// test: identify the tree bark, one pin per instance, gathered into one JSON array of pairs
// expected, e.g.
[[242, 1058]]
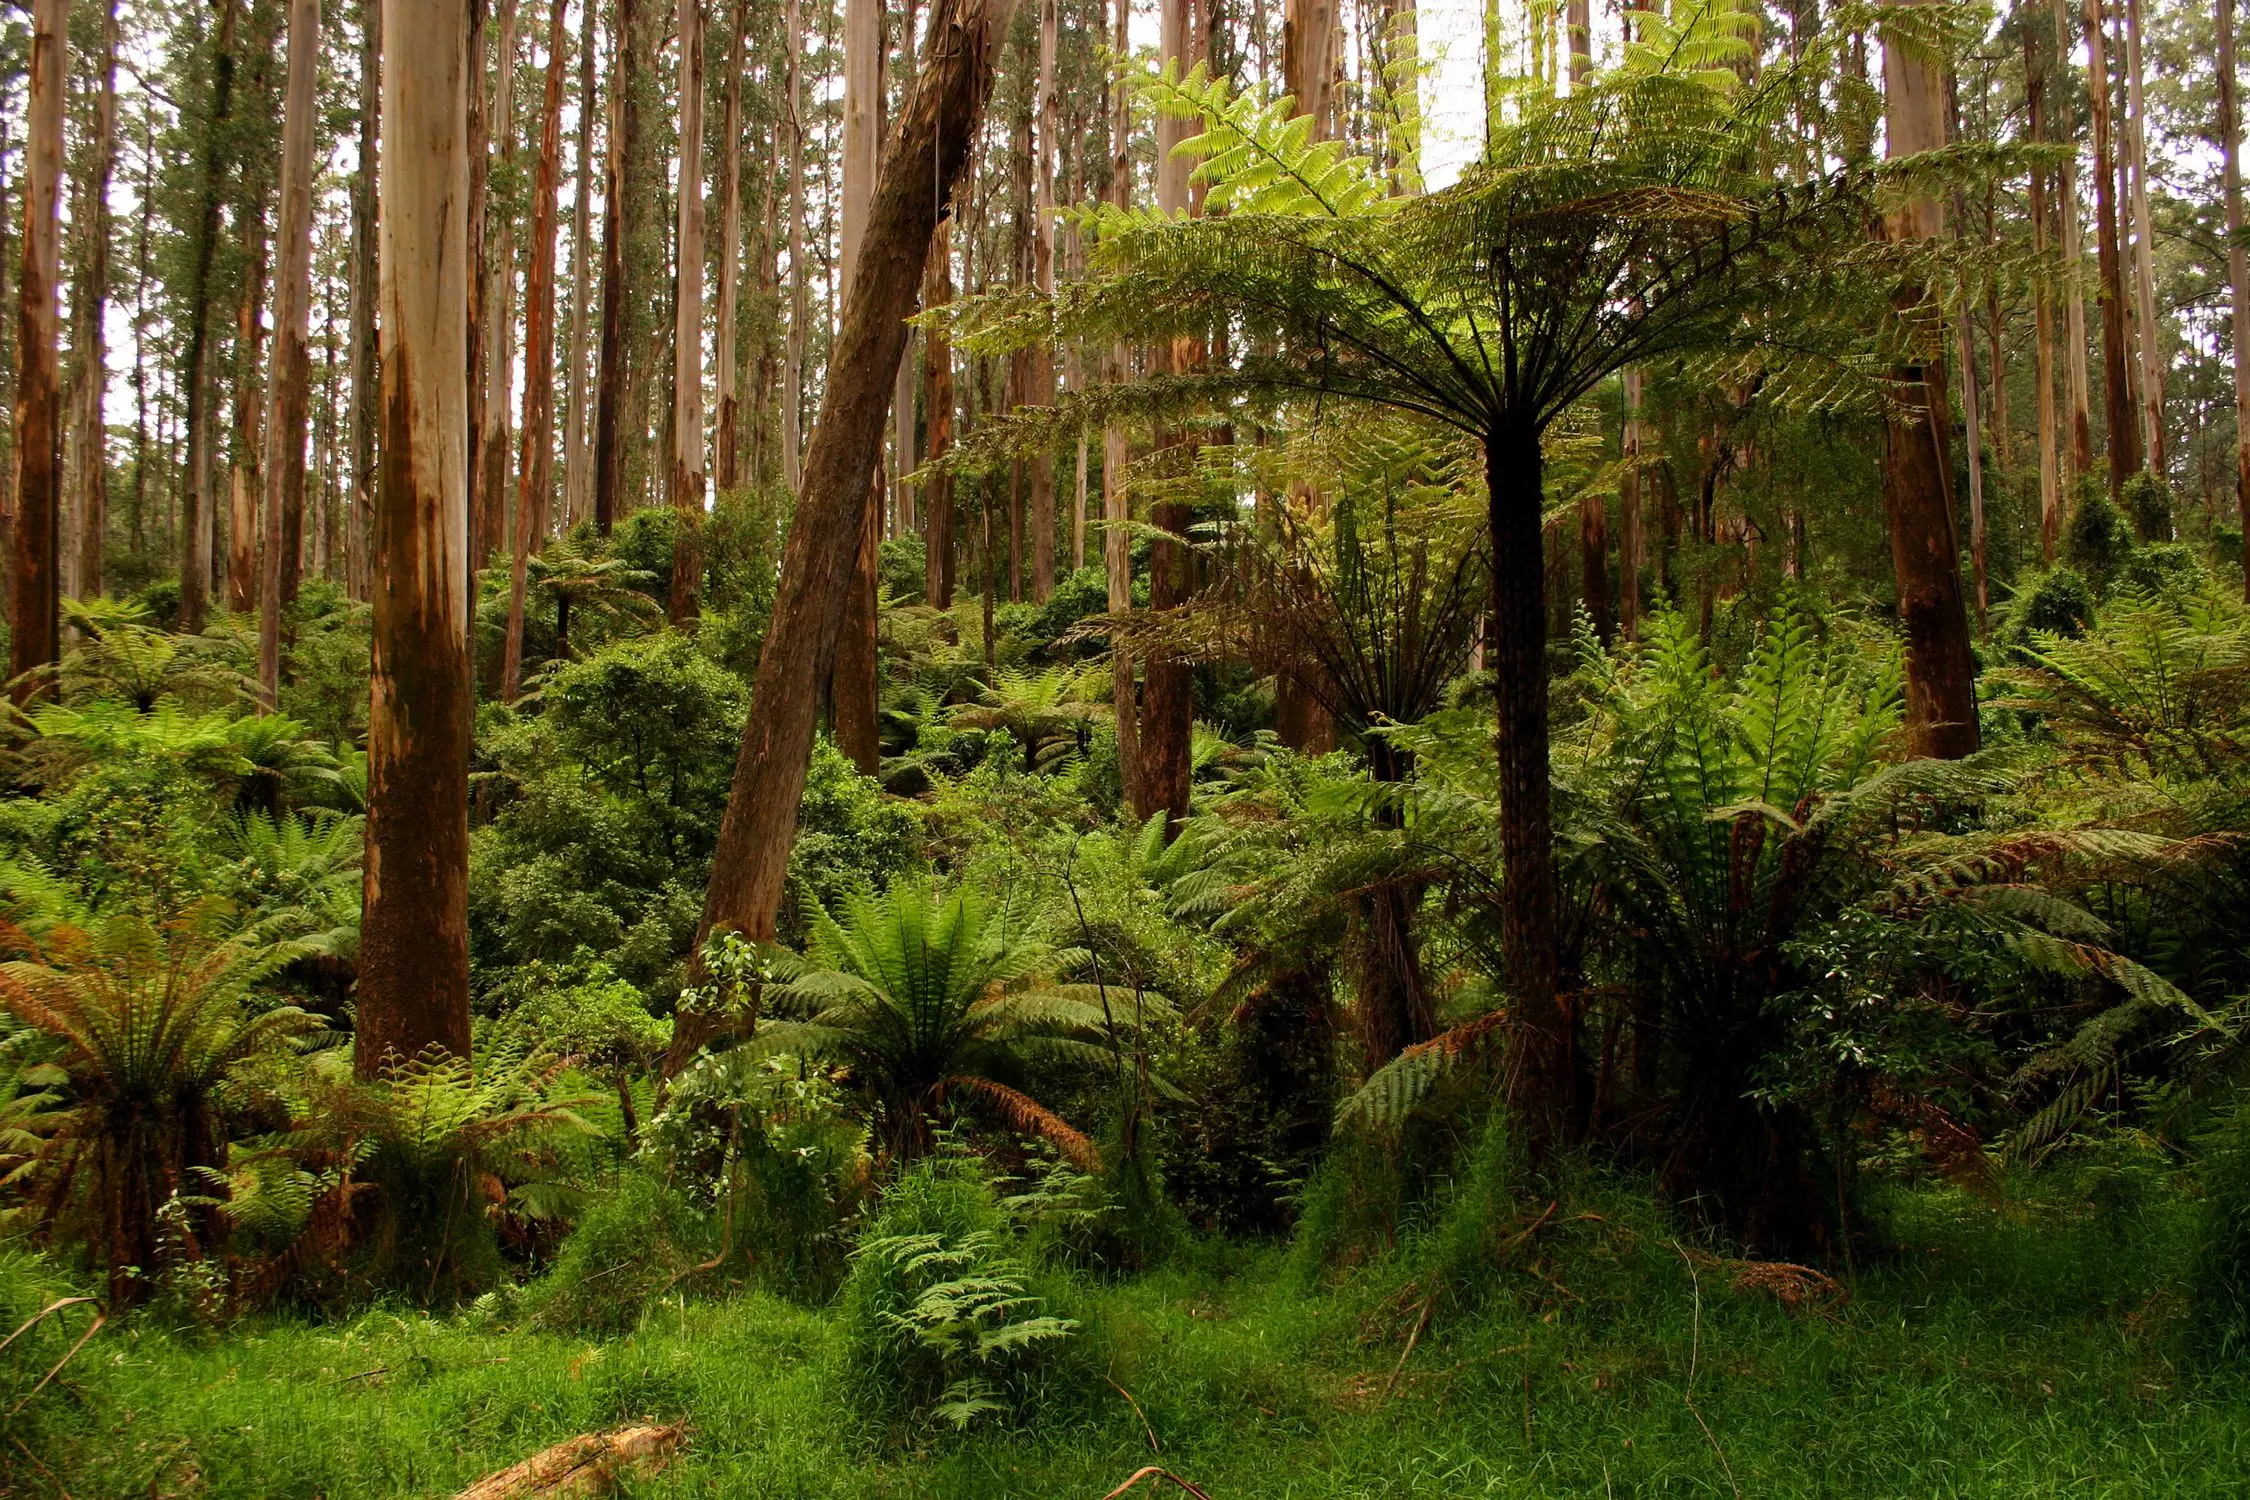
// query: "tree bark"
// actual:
[[2238, 267], [687, 328], [2078, 383], [535, 472], [2043, 304], [1941, 706], [1629, 513], [414, 934], [577, 461], [33, 583], [88, 340], [1117, 499], [195, 489], [246, 490], [291, 366], [904, 518], [1039, 373], [366, 398], [938, 516], [2117, 402], [727, 469], [793, 355], [927, 151], [853, 684], [609, 394], [489, 510], [2144, 252]]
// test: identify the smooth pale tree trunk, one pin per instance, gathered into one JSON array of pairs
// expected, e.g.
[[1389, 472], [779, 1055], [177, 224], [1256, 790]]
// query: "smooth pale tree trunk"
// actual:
[[1039, 370], [687, 469], [2144, 250], [291, 367], [1117, 498], [195, 487], [793, 355], [2043, 305], [938, 516], [928, 149], [853, 686], [2238, 266], [365, 395], [414, 929], [905, 520], [33, 581], [88, 342], [247, 487], [2078, 380], [2117, 403], [609, 394], [490, 506], [727, 466], [577, 461], [535, 471], [1941, 708]]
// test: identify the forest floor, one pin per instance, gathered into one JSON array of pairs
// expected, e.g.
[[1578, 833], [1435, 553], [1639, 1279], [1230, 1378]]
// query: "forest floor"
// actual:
[[1980, 1358]]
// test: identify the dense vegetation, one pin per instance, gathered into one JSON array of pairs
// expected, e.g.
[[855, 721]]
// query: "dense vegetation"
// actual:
[[1265, 830]]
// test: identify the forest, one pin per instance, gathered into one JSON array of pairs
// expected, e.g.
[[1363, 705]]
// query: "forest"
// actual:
[[1109, 748]]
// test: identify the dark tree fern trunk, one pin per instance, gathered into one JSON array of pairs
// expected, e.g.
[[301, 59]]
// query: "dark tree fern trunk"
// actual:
[[1543, 1061]]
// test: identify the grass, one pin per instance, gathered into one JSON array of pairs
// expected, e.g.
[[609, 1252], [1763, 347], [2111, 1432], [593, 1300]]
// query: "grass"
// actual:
[[2016, 1356]]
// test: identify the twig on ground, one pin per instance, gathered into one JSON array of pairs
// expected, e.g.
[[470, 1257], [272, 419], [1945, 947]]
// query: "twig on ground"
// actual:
[[1695, 1354], [1156, 1472], [1153, 1445], [91, 1329], [1420, 1323], [42, 1468]]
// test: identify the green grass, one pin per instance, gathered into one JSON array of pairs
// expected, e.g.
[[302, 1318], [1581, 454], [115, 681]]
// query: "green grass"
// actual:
[[1987, 1357]]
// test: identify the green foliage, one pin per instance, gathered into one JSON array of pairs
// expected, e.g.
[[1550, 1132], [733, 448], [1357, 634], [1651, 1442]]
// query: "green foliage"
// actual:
[[2099, 541], [850, 836], [2059, 602], [2221, 1275], [2148, 502], [2165, 568]]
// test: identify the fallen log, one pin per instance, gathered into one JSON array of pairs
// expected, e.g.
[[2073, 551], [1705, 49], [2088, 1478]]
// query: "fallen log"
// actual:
[[584, 1465]]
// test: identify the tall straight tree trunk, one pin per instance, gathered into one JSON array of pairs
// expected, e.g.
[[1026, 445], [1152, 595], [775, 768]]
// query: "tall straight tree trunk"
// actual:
[[617, 229], [246, 480], [938, 518], [1629, 514], [2238, 267], [2144, 250], [2078, 382], [1040, 372], [195, 489], [793, 356], [88, 343], [924, 160], [577, 461], [2043, 304], [490, 506], [728, 465], [1593, 511], [853, 687], [2117, 402], [291, 366], [365, 396], [1941, 705], [1168, 703], [1117, 498], [33, 598], [414, 929], [687, 471], [535, 472], [904, 518]]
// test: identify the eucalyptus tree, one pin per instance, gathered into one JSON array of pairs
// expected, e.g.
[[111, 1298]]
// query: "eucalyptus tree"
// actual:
[[1639, 218], [34, 602]]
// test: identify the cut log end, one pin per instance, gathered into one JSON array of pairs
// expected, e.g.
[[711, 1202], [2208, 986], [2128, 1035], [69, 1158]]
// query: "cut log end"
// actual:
[[588, 1464]]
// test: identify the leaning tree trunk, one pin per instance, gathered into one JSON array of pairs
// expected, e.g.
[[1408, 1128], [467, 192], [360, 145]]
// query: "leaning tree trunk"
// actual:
[[32, 582], [195, 488], [687, 470], [2117, 396], [727, 469], [89, 347], [291, 366], [535, 475], [924, 160], [1941, 697], [609, 391], [2238, 267], [1542, 1086], [414, 932]]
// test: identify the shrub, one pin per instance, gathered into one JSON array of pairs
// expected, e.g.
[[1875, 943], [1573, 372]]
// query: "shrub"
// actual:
[[2148, 501], [2166, 568], [2221, 1280], [640, 1238], [2061, 602], [940, 1322], [2099, 540], [850, 836]]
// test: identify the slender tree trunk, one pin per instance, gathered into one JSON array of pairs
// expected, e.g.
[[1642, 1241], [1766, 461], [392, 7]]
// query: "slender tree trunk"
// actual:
[[1117, 498], [577, 461], [687, 327], [1965, 350], [535, 473], [727, 467], [793, 366], [853, 687], [88, 339], [904, 520], [247, 475], [1629, 513], [490, 505], [414, 931], [2043, 304], [291, 366], [2123, 421], [33, 600], [1040, 371], [1941, 708], [195, 489], [609, 394], [365, 395], [2238, 267], [927, 152], [2144, 253], [938, 520]]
